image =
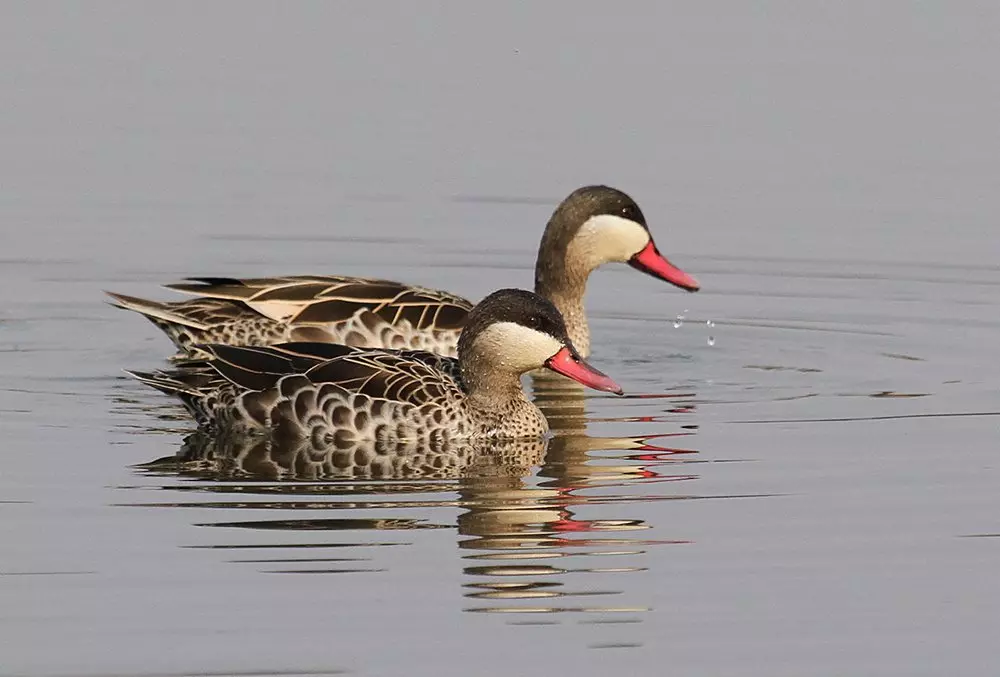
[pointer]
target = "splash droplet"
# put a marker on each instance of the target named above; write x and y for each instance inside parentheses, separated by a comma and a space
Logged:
(711, 340)
(709, 323)
(679, 320)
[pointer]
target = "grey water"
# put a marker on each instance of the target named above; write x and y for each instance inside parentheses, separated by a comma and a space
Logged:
(802, 479)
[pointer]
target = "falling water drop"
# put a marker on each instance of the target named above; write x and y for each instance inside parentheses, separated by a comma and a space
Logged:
(709, 323)
(679, 320)
(711, 340)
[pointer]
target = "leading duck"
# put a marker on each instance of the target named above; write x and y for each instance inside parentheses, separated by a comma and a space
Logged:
(594, 225)
(336, 394)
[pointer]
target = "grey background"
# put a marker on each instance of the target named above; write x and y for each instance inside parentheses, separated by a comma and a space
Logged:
(828, 171)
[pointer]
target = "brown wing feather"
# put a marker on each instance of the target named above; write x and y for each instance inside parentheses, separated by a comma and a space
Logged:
(413, 376)
(306, 292)
(260, 368)
(397, 376)
(208, 311)
(321, 299)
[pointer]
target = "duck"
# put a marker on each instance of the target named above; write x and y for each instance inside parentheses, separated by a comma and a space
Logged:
(593, 226)
(338, 394)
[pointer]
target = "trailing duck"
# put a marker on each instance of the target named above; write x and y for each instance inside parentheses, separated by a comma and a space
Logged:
(593, 226)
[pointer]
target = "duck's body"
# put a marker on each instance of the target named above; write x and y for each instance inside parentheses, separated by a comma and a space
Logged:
(353, 311)
(593, 226)
(339, 394)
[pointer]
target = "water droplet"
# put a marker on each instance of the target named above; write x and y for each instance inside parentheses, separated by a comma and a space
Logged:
(709, 323)
(711, 340)
(679, 320)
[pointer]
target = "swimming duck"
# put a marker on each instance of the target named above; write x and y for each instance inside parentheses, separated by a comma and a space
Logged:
(593, 226)
(339, 394)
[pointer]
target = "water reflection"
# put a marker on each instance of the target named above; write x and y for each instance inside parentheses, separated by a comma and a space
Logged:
(526, 546)
(518, 532)
(268, 459)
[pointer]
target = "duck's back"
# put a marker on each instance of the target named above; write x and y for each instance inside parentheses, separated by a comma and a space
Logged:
(327, 392)
(359, 312)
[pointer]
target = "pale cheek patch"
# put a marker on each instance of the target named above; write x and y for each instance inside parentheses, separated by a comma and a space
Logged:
(607, 238)
(516, 347)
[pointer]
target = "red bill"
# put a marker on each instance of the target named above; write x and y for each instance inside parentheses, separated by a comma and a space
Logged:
(568, 363)
(651, 261)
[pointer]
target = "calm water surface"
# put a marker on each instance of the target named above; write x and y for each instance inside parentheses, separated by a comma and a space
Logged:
(802, 479)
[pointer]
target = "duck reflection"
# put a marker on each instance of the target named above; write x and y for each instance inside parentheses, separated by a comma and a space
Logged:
(517, 499)
(264, 458)
(514, 532)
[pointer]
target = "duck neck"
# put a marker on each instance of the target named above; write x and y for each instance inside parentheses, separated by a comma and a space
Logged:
(566, 295)
(496, 401)
(561, 271)
(491, 388)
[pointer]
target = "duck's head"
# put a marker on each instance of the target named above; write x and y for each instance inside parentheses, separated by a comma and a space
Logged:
(597, 225)
(513, 331)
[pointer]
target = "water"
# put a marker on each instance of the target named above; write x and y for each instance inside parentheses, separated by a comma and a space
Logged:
(814, 494)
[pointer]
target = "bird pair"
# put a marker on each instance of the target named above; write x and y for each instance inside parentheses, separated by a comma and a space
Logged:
(341, 359)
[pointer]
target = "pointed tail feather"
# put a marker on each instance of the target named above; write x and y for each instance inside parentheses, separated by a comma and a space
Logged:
(154, 310)
(192, 386)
